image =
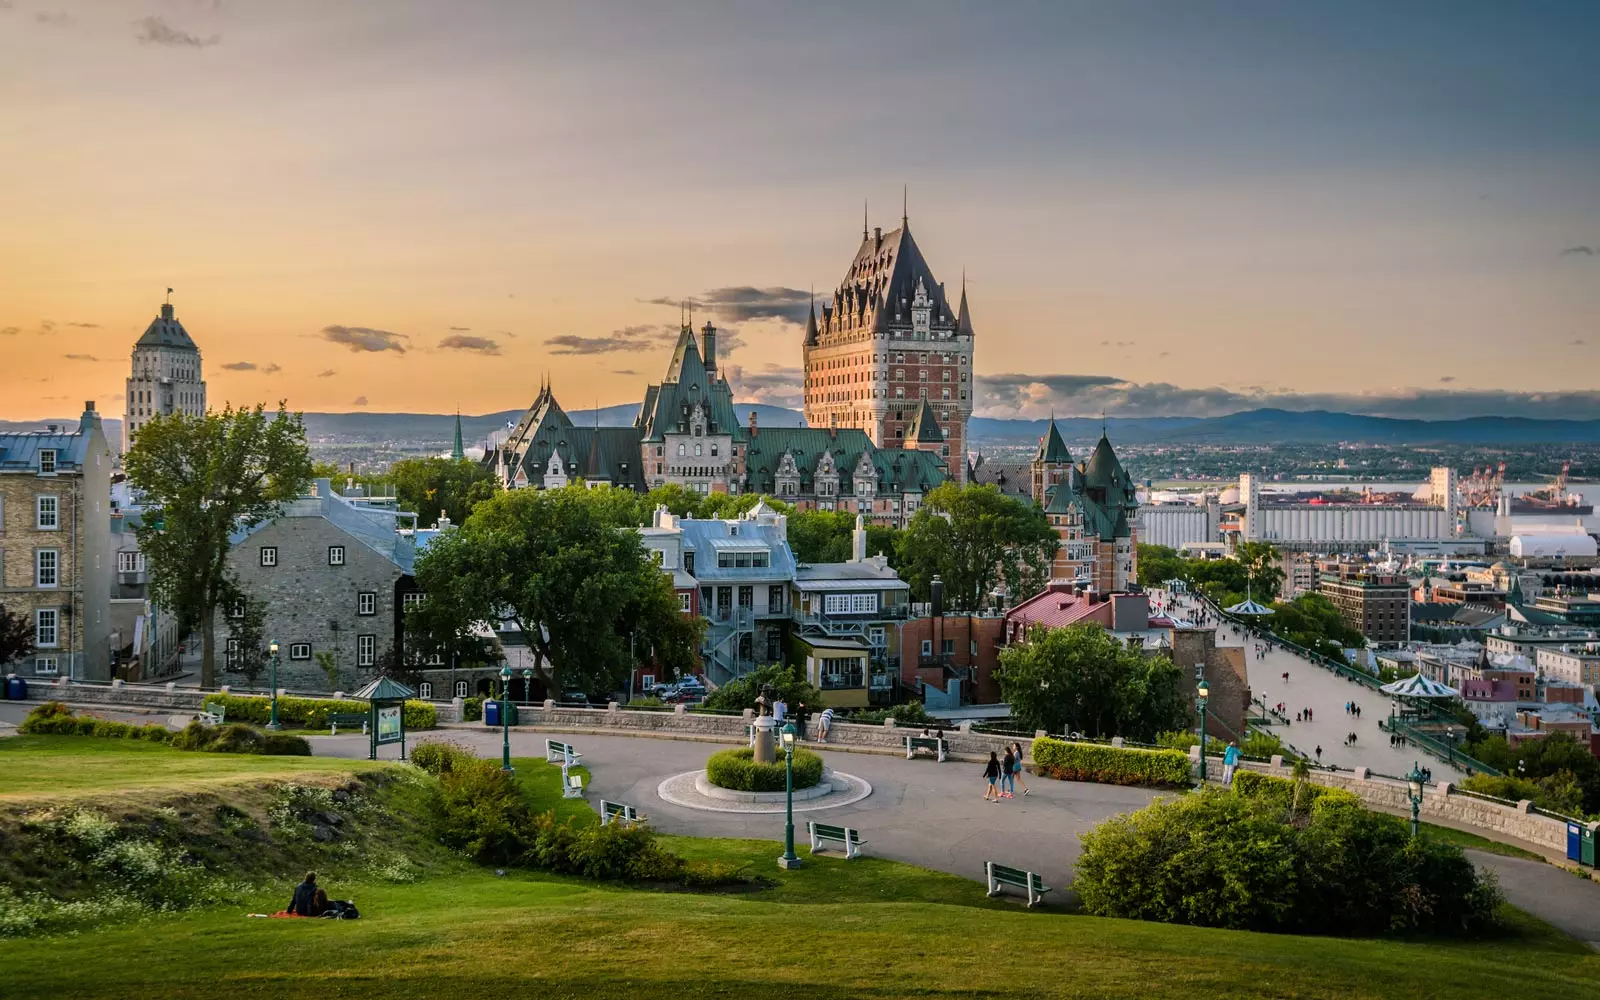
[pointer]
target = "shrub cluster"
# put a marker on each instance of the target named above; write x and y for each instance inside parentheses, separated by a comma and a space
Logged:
(738, 770)
(440, 756)
(238, 738)
(1288, 794)
(55, 719)
(1219, 859)
(471, 710)
(1109, 765)
(482, 813)
(311, 713)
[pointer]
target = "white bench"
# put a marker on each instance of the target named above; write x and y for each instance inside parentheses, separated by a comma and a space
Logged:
(212, 713)
(557, 752)
(618, 811)
(571, 784)
(851, 839)
(934, 745)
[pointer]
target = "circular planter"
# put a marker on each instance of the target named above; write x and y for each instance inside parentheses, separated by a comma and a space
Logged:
(817, 791)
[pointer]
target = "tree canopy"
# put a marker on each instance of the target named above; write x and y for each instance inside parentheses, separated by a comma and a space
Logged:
(976, 538)
(201, 478)
(563, 566)
(16, 635)
(787, 683)
(1080, 679)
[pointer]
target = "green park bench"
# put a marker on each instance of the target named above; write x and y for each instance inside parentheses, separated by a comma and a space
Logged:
(212, 713)
(932, 744)
(557, 752)
(338, 719)
(999, 876)
(618, 811)
(851, 839)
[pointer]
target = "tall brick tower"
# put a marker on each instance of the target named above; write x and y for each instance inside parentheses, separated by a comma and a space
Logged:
(888, 341)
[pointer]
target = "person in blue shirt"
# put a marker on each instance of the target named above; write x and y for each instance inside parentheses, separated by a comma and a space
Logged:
(1230, 760)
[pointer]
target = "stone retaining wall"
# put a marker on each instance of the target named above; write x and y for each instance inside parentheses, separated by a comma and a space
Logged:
(171, 697)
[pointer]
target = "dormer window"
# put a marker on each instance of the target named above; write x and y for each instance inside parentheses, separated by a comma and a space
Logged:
(47, 461)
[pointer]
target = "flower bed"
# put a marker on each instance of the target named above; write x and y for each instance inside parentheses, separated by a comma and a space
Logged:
(738, 770)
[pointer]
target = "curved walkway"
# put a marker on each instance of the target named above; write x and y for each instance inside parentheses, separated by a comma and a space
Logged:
(934, 815)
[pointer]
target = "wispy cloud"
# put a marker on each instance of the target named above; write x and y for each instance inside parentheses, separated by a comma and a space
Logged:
(1580, 252)
(327, 373)
(240, 366)
(156, 31)
(628, 338)
(270, 369)
(462, 329)
(461, 342)
(743, 303)
(359, 401)
(80, 357)
(623, 371)
(46, 326)
(366, 339)
(778, 385)
(10, 331)
(55, 18)
(85, 326)
(1447, 378)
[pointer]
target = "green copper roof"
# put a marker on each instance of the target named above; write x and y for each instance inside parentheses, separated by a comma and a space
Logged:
(1052, 448)
(385, 688)
(925, 427)
(668, 406)
(1102, 491)
(897, 470)
(456, 451)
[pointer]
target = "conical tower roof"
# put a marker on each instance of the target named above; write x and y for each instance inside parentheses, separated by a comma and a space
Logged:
(811, 325)
(964, 315)
(1103, 468)
(456, 451)
(166, 331)
(925, 428)
(1052, 448)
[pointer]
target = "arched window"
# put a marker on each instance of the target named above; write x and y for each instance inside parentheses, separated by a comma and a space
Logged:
(425, 691)
(461, 689)
(682, 449)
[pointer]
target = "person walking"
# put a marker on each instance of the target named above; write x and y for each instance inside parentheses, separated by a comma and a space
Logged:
(1017, 770)
(1007, 782)
(800, 717)
(827, 725)
(991, 773)
(1319, 753)
(1230, 760)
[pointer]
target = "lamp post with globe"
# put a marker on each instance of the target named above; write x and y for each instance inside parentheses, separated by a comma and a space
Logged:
(789, 859)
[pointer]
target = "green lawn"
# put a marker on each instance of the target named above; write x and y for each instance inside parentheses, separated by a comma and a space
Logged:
(1477, 843)
(42, 766)
(832, 929)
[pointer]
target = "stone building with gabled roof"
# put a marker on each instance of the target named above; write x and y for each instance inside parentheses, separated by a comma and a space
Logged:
(688, 432)
(841, 469)
(546, 449)
(887, 339)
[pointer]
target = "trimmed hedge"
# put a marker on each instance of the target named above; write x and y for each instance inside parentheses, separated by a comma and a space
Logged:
(1280, 791)
(310, 713)
(1108, 765)
(55, 719)
(737, 770)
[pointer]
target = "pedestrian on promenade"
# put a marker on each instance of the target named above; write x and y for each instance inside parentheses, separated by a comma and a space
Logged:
(779, 709)
(1319, 753)
(1230, 760)
(800, 717)
(1007, 783)
(991, 773)
(1286, 676)
(1017, 770)
(827, 725)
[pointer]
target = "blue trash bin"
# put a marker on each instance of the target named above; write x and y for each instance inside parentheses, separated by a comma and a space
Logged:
(491, 713)
(16, 688)
(1574, 841)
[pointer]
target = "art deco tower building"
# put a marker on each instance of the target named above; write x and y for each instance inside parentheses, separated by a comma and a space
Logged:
(166, 376)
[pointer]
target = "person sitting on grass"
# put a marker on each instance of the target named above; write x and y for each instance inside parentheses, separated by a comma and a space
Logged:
(304, 902)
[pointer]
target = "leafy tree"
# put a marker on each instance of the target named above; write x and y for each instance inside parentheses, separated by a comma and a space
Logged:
(1158, 564)
(787, 683)
(1081, 679)
(248, 630)
(328, 663)
(1260, 561)
(821, 536)
(976, 538)
(429, 485)
(567, 570)
(16, 635)
(201, 478)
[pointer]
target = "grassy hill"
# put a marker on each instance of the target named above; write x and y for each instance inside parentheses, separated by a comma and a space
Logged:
(443, 927)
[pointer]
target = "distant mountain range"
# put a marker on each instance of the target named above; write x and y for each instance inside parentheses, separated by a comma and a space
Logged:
(1251, 427)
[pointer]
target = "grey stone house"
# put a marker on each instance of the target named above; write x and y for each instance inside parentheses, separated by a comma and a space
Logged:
(332, 575)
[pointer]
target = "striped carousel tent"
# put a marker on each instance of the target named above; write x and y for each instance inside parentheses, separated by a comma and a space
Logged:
(1418, 686)
(1248, 607)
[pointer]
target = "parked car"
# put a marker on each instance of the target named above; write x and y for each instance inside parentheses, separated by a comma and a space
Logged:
(692, 685)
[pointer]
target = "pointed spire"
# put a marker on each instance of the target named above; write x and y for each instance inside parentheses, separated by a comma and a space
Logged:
(963, 315)
(1052, 449)
(863, 220)
(811, 322)
(456, 451)
(905, 201)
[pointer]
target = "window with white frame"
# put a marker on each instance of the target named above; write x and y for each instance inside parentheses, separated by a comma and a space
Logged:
(236, 610)
(425, 691)
(47, 627)
(336, 555)
(686, 602)
(299, 650)
(367, 603)
(46, 666)
(47, 568)
(461, 689)
(231, 653)
(411, 600)
(47, 460)
(130, 562)
(849, 604)
(269, 555)
(647, 682)
(366, 650)
(47, 511)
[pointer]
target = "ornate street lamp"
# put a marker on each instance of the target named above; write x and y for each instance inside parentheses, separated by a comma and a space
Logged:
(1414, 782)
(1201, 692)
(789, 859)
(273, 651)
(505, 718)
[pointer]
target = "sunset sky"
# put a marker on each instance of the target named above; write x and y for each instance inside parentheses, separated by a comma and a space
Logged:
(1179, 207)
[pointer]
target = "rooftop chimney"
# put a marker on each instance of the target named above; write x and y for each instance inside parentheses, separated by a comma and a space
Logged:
(858, 541)
(708, 347)
(752, 421)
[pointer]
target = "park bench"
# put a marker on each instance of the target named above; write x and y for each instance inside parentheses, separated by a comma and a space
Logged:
(557, 752)
(571, 784)
(338, 719)
(1004, 875)
(932, 744)
(613, 811)
(851, 839)
(212, 713)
